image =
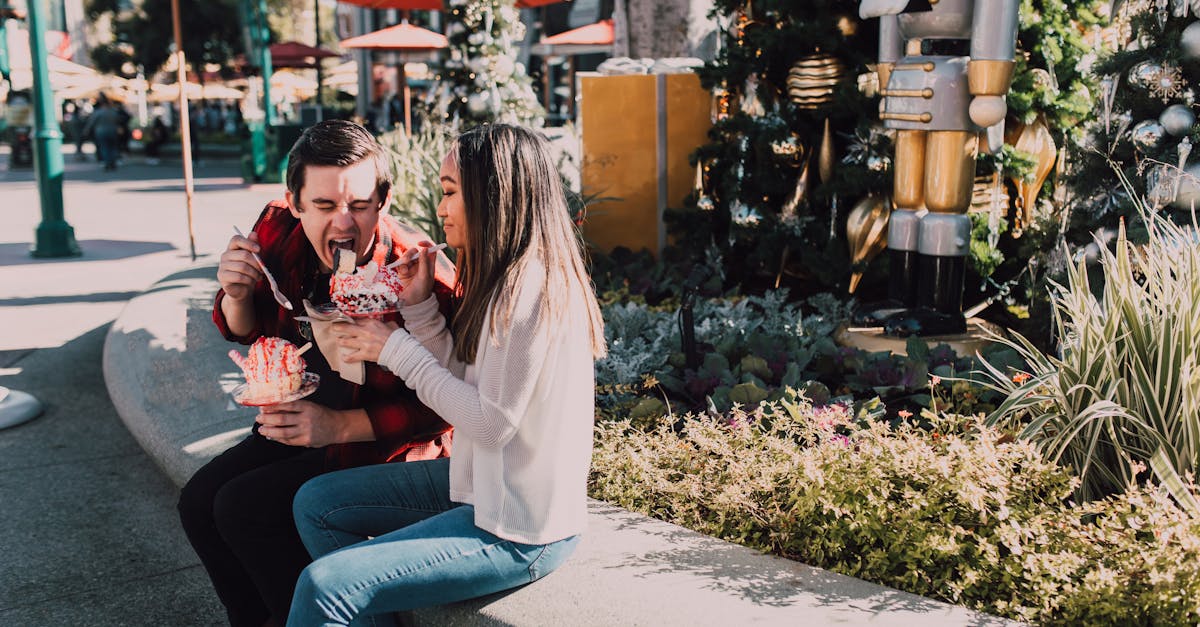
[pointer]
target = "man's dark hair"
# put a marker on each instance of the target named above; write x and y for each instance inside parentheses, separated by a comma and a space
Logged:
(336, 143)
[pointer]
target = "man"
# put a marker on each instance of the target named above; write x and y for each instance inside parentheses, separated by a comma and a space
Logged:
(237, 509)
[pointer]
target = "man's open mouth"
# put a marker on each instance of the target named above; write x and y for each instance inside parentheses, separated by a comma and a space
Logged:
(335, 245)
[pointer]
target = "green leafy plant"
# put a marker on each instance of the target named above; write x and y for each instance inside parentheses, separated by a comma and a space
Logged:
(1125, 392)
(753, 348)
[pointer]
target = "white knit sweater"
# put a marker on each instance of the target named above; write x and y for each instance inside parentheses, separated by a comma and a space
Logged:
(522, 413)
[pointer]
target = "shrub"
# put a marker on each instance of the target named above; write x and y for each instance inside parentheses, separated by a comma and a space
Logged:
(416, 163)
(961, 512)
(1125, 392)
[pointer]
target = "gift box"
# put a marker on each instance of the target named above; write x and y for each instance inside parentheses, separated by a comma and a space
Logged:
(637, 133)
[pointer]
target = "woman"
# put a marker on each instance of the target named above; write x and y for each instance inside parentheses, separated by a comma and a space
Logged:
(513, 372)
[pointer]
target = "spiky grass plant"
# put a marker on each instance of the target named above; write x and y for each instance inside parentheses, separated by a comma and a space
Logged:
(1124, 393)
(416, 160)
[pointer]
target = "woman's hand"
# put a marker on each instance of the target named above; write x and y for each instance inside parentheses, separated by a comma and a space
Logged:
(417, 276)
(362, 340)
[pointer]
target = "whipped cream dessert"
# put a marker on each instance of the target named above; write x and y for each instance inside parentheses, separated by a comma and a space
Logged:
(273, 368)
(365, 290)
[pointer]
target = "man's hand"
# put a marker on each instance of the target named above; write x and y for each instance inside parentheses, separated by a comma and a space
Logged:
(238, 272)
(300, 423)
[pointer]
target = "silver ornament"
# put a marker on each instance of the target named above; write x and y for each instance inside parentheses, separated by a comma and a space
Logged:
(1160, 186)
(1189, 40)
(1146, 134)
(704, 203)
(875, 163)
(1189, 188)
(1145, 74)
(1177, 119)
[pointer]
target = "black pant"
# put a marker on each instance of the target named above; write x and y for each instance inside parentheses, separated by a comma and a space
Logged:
(237, 513)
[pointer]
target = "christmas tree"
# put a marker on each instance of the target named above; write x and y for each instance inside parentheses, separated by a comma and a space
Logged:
(772, 184)
(797, 148)
(482, 81)
(1141, 142)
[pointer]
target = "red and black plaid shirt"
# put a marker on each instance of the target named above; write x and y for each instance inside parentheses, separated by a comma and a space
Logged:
(405, 429)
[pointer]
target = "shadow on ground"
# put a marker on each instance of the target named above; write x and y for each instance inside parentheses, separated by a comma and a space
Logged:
(17, 253)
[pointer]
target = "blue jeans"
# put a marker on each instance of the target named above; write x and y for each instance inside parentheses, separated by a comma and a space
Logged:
(387, 538)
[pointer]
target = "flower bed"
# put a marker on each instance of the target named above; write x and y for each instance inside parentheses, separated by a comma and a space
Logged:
(959, 512)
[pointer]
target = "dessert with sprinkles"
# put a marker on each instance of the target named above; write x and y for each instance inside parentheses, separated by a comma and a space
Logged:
(273, 367)
(366, 290)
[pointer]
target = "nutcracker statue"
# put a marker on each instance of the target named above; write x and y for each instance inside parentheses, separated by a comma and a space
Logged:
(944, 69)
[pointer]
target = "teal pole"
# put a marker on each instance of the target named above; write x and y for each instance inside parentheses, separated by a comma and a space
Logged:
(6, 12)
(263, 37)
(5, 68)
(16, 407)
(55, 238)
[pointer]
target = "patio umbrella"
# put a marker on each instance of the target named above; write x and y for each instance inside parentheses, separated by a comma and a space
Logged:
(169, 93)
(294, 85)
(432, 5)
(401, 37)
(113, 87)
(596, 37)
(293, 54)
(342, 77)
(588, 39)
(217, 91)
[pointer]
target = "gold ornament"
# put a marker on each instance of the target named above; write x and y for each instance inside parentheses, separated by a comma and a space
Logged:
(825, 156)
(812, 79)
(847, 25)
(791, 148)
(1034, 139)
(866, 232)
(798, 194)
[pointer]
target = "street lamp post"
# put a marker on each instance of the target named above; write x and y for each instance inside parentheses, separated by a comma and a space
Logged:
(6, 13)
(15, 407)
(54, 238)
(258, 163)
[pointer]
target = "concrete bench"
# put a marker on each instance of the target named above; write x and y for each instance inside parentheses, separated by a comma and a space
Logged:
(167, 372)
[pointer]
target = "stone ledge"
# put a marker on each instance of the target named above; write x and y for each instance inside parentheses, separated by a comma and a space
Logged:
(167, 372)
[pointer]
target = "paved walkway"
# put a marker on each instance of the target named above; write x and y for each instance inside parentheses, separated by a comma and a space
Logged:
(88, 531)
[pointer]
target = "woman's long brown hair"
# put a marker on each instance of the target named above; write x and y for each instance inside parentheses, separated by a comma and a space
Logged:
(516, 214)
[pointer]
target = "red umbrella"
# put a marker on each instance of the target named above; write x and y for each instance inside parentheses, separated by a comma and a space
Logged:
(414, 5)
(294, 54)
(600, 33)
(401, 37)
(433, 5)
